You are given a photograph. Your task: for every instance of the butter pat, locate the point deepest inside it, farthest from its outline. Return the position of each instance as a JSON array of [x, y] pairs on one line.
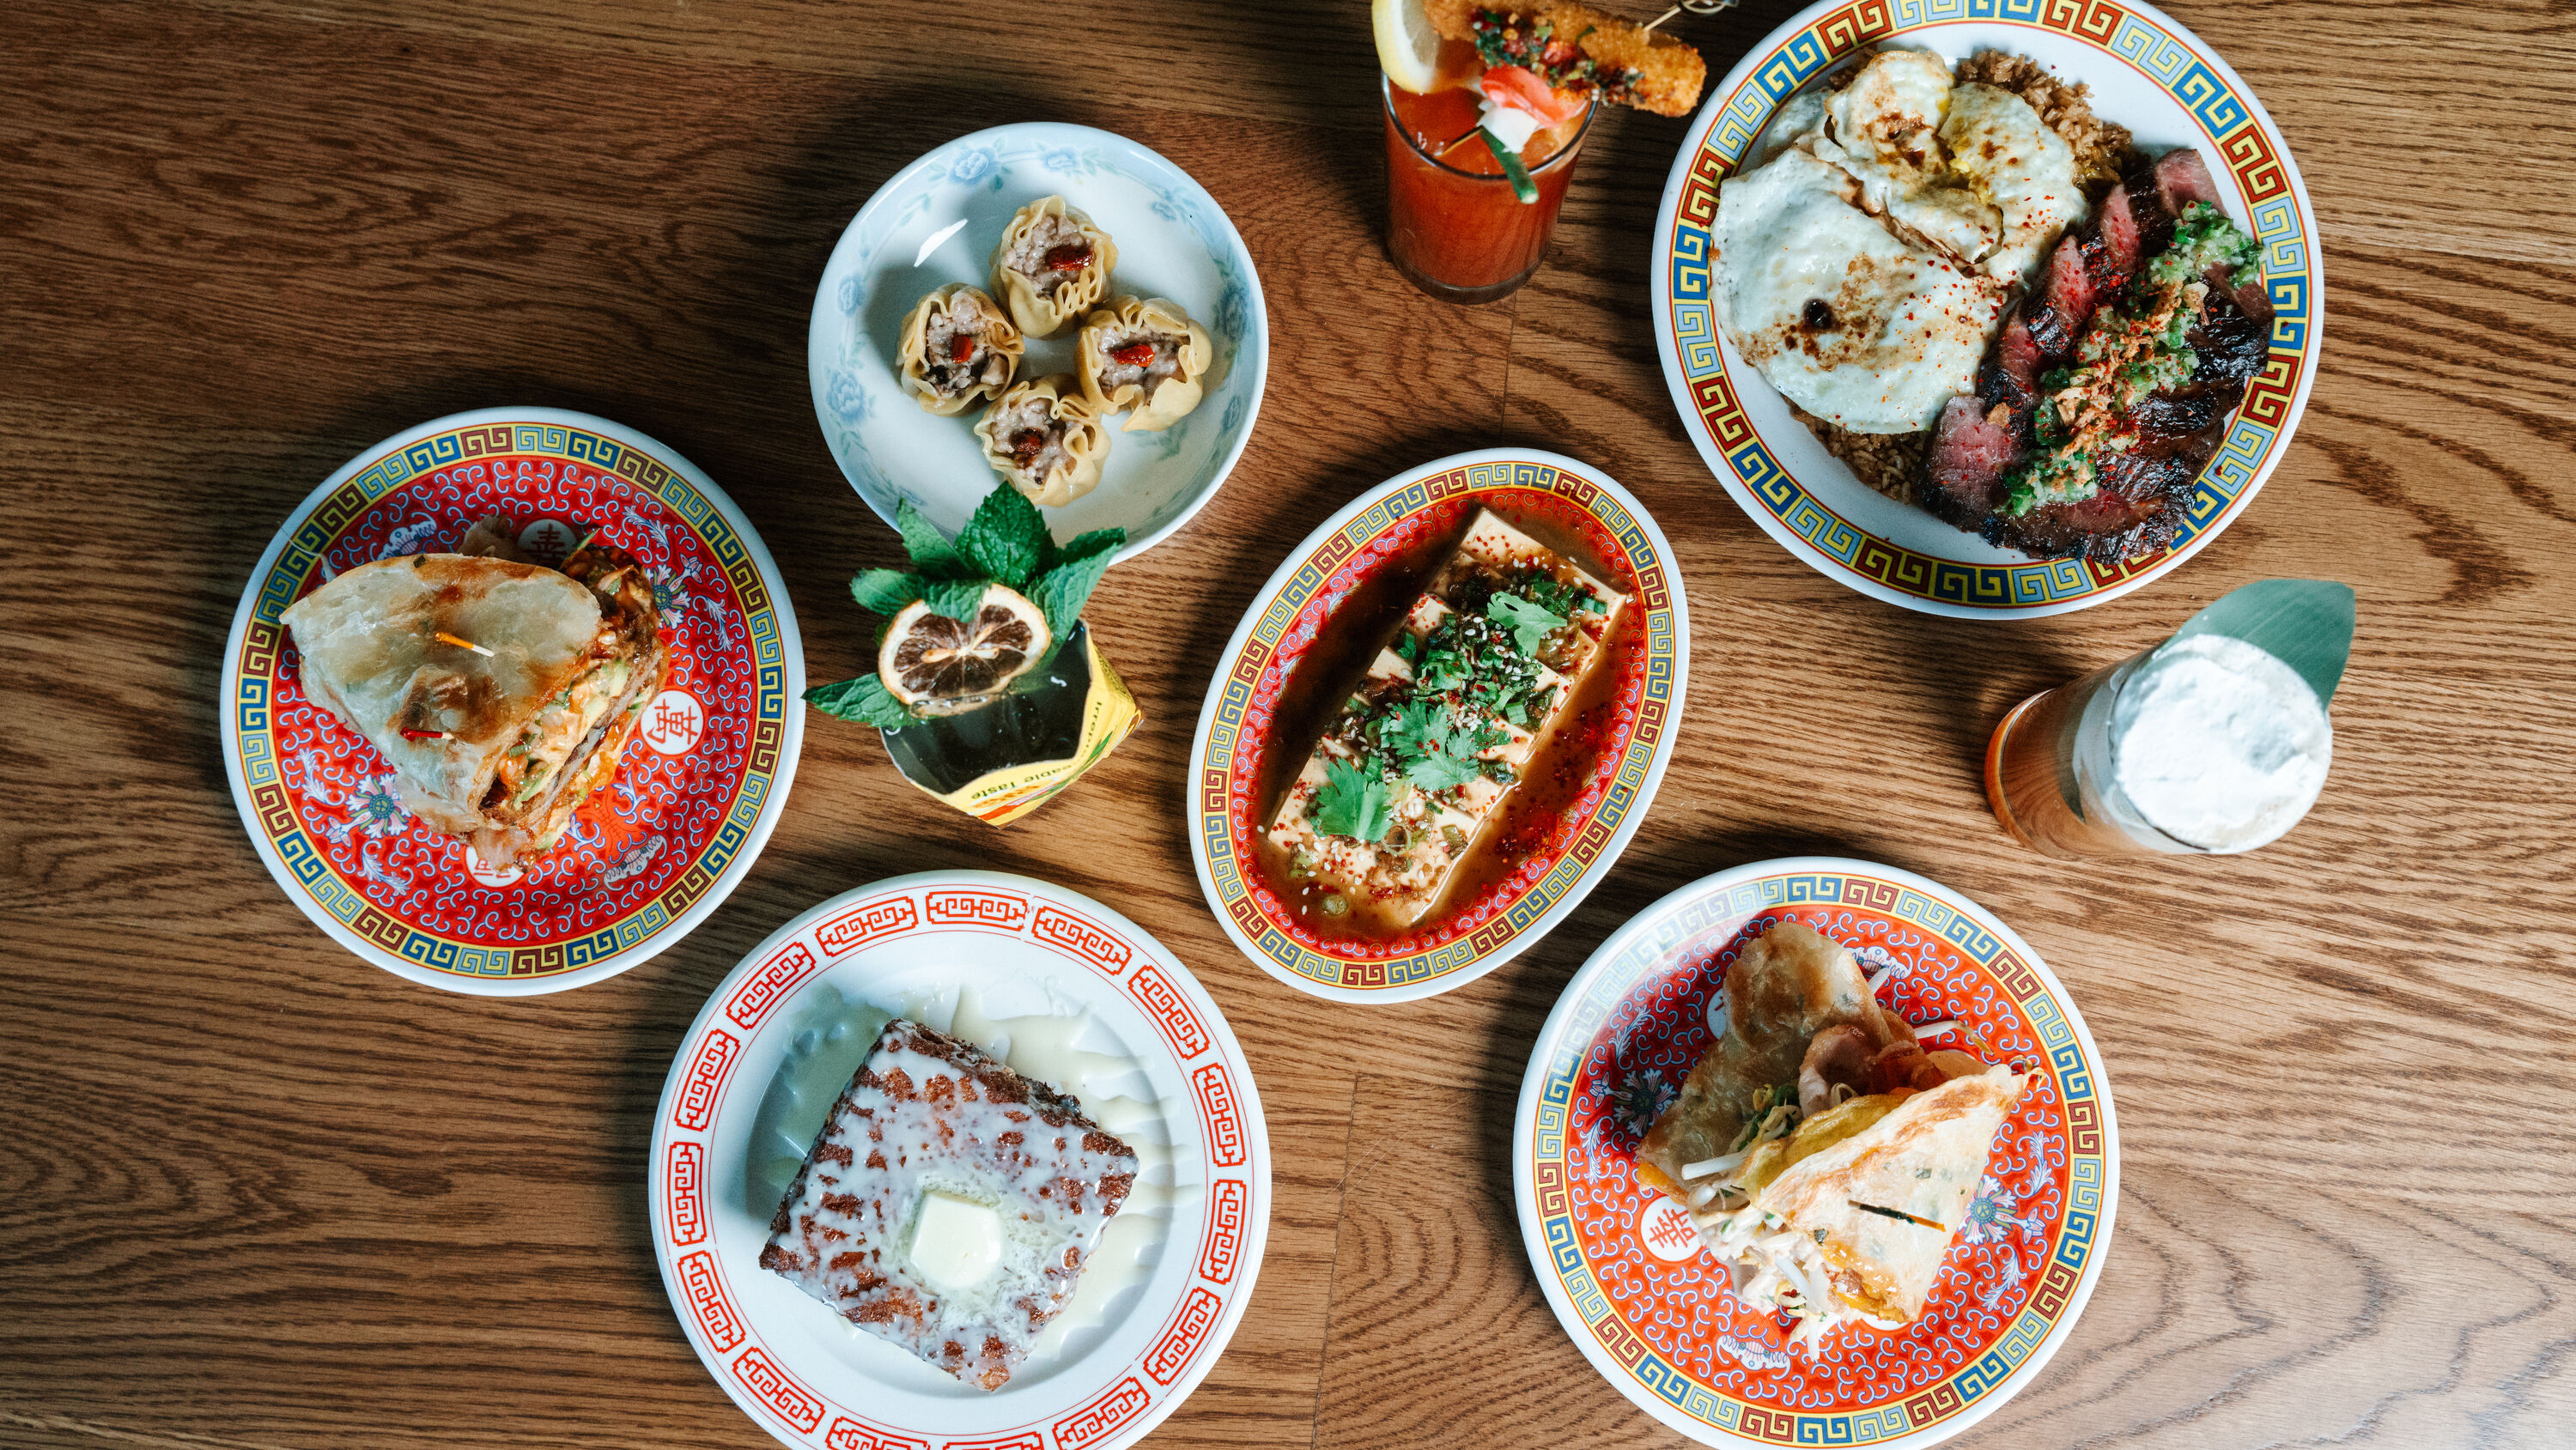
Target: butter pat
[[956, 1242]]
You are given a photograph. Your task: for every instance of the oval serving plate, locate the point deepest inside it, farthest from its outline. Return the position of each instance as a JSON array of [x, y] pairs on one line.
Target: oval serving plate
[[1621, 1264], [936, 222], [1371, 532], [2148, 74], [756, 1076], [697, 791]]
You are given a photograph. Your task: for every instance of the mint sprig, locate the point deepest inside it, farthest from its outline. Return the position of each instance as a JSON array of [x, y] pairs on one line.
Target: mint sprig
[[1005, 542], [865, 699]]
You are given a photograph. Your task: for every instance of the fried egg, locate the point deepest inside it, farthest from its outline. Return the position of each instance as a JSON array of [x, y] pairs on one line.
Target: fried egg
[[1848, 320], [1865, 265]]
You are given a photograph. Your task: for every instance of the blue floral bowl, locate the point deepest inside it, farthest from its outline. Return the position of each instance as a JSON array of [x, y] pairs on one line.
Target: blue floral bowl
[[935, 223]]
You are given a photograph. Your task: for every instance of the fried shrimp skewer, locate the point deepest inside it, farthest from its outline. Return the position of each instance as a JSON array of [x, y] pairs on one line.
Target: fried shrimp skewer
[[1576, 48]]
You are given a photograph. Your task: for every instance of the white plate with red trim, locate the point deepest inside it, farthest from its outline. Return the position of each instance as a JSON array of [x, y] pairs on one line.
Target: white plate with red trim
[[753, 1080]]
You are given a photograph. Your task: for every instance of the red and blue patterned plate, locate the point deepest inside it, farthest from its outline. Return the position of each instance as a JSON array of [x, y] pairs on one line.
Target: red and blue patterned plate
[[1622, 1266], [695, 796], [2149, 74]]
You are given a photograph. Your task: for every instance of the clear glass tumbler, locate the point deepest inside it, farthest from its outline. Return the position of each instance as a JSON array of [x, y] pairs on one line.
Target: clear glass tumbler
[[1455, 227]]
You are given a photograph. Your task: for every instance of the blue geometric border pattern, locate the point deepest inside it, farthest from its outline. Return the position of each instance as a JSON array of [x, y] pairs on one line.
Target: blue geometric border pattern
[[1235, 691], [2235, 139], [296, 562], [2074, 1078]]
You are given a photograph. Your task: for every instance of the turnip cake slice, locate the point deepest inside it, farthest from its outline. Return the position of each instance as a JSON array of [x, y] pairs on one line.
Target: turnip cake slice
[[949, 1204]]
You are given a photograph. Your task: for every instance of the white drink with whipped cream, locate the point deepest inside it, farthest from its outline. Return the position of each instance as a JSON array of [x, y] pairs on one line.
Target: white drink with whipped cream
[[2204, 745]]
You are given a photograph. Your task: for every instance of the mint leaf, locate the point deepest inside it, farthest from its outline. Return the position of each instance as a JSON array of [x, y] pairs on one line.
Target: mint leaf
[[1006, 538], [887, 591], [930, 550], [1064, 589], [1530, 625], [957, 598], [865, 699], [1352, 804], [1098, 541]]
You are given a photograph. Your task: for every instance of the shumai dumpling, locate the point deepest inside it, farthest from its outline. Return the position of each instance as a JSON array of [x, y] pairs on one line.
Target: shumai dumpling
[[1147, 357], [1052, 264], [1046, 439], [957, 346]]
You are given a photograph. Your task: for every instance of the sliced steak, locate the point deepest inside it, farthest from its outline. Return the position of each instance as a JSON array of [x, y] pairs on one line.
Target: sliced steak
[[2185, 410], [2182, 178], [2111, 247], [2068, 288], [1973, 447], [2106, 528], [2231, 345]]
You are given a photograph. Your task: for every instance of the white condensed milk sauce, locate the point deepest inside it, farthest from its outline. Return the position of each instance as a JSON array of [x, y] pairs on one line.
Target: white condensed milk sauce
[[961, 1242], [2219, 744]]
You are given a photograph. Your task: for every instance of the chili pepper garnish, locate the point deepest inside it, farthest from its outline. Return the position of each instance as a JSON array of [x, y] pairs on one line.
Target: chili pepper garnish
[[1134, 354], [409, 734], [1026, 445], [961, 347], [1071, 257], [445, 638]]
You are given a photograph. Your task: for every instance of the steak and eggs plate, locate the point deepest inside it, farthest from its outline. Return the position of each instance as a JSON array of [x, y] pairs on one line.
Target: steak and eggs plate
[[1988, 302]]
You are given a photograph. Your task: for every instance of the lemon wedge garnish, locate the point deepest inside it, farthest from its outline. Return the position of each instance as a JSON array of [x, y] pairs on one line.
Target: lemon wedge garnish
[[1408, 49]]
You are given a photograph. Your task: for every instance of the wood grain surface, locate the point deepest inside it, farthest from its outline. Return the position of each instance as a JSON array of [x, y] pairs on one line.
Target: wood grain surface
[[254, 1192]]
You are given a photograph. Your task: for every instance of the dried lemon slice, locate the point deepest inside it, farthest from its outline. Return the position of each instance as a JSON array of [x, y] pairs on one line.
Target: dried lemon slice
[[943, 666]]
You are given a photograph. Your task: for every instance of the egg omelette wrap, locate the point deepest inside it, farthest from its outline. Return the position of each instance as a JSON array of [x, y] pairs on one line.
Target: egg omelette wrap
[[500, 691]]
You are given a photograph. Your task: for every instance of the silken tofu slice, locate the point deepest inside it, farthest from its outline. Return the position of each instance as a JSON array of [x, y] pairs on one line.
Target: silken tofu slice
[[1397, 881]]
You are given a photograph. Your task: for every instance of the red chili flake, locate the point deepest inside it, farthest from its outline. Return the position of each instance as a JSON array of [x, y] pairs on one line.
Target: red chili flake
[[961, 347], [1026, 445], [1071, 257], [409, 734], [1135, 354]]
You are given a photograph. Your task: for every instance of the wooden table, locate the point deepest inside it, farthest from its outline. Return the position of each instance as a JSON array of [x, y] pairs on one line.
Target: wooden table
[[258, 1193]]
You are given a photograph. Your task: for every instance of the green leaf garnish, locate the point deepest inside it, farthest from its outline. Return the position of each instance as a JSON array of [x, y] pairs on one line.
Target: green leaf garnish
[[865, 699], [931, 552], [887, 591], [1098, 541], [1530, 624], [956, 598], [1522, 186], [1352, 804], [1064, 589], [1006, 539]]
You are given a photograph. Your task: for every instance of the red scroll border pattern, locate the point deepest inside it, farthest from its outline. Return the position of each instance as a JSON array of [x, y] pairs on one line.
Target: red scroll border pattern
[[698, 1275]]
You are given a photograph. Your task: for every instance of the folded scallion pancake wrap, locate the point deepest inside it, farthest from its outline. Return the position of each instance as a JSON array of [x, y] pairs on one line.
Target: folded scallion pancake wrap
[[1823, 1155], [500, 691]]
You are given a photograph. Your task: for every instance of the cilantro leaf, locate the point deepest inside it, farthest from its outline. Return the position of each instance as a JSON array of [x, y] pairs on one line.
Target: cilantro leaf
[[865, 699], [887, 591], [1006, 538], [1442, 770], [1530, 625], [956, 598], [1064, 589], [930, 550], [1352, 804]]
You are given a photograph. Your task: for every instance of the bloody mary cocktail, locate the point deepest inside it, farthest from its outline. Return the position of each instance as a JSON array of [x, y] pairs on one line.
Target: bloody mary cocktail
[[1456, 226]]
